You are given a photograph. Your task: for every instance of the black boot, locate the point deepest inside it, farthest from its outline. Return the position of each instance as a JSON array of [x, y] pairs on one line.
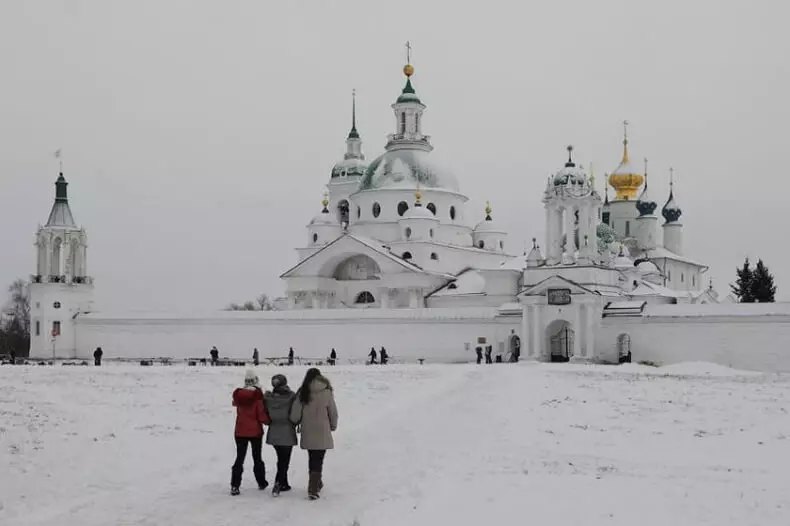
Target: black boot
[[260, 476], [235, 480]]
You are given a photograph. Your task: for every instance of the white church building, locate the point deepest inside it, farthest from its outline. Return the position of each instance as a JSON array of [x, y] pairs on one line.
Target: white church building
[[395, 258]]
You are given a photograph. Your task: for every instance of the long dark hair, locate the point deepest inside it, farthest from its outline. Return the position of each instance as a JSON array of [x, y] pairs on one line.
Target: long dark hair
[[304, 391]]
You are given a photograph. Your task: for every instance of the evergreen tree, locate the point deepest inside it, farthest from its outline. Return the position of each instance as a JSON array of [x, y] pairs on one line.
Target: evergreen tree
[[762, 287], [742, 288]]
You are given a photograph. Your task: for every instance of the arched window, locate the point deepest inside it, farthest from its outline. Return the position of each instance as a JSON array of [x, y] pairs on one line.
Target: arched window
[[452, 213], [481, 244], [693, 281], [403, 123], [315, 238], [365, 297], [342, 212], [501, 245], [628, 229], [434, 256], [406, 256], [432, 208], [408, 232], [359, 212], [430, 232], [402, 207], [54, 269], [682, 277], [376, 209]]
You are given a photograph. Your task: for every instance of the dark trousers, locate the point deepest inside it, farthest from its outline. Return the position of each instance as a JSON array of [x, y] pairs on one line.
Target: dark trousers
[[315, 460], [488, 358], [283, 462], [479, 358], [258, 467], [97, 362]]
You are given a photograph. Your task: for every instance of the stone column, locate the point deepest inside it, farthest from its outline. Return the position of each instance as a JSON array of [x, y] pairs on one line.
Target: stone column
[[315, 299], [526, 341], [384, 298], [549, 234], [570, 242]]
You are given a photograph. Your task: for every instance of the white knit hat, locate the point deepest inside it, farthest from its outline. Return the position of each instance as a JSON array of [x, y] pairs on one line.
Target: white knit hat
[[250, 379]]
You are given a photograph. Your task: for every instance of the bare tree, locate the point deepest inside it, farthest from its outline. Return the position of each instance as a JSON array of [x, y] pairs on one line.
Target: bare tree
[[261, 303], [15, 324]]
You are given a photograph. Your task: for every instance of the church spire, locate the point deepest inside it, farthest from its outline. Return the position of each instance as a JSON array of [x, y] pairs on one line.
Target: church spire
[[60, 215], [353, 134]]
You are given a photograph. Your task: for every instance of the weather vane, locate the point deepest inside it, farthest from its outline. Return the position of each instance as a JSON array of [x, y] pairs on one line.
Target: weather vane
[[408, 52]]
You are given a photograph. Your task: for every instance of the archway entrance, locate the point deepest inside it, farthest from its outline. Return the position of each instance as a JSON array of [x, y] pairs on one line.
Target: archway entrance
[[624, 348], [559, 341]]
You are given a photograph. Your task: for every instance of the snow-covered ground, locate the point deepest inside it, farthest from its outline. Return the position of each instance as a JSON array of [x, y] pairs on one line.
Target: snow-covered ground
[[418, 445]]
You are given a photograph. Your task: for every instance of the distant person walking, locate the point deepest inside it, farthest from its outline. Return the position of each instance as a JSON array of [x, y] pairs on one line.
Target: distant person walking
[[315, 412], [291, 356], [373, 356], [384, 356], [282, 432], [214, 352], [489, 350], [333, 357], [250, 418], [97, 354], [255, 356], [12, 356], [479, 351]]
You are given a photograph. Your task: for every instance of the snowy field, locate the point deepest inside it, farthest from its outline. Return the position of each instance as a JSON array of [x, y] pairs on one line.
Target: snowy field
[[418, 445]]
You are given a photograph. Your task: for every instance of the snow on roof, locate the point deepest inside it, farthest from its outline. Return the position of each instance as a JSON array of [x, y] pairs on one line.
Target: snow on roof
[[468, 282], [717, 309], [253, 317], [661, 252]]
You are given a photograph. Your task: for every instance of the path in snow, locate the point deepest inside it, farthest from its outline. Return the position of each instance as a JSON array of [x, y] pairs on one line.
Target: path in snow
[[417, 445]]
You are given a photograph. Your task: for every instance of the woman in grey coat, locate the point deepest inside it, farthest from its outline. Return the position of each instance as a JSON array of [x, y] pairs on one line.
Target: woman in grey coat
[[282, 433], [314, 410]]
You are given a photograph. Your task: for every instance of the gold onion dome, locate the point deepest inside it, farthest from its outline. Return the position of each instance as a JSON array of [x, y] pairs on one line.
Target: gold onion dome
[[625, 179]]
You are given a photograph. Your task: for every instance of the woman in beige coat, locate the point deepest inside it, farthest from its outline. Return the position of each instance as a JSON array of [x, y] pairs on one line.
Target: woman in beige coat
[[314, 410]]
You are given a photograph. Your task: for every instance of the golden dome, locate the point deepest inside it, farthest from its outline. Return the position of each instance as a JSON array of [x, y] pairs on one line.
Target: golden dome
[[625, 179], [408, 70]]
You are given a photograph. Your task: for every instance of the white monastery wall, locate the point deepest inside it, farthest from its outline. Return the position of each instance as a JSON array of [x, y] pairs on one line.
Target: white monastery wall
[[437, 335], [742, 342]]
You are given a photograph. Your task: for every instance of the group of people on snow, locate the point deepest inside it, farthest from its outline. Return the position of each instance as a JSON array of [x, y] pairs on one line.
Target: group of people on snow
[[310, 412], [384, 358]]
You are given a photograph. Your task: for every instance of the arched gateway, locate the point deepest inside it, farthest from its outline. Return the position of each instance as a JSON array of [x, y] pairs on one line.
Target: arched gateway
[[559, 341]]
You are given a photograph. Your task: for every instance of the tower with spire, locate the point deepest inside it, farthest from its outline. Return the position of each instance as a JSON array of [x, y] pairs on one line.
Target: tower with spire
[[672, 227], [347, 173], [646, 221], [572, 212], [626, 181], [61, 288], [408, 116]]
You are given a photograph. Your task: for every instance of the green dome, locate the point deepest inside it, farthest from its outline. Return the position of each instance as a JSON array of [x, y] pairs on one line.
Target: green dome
[[406, 169]]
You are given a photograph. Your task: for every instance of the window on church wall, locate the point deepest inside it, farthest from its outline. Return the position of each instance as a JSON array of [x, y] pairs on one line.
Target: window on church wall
[[38, 328], [682, 277], [403, 206], [430, 233], [408, 233], [481, 244], [359, 212], [501, 245], [693, 281], [315, 238], [403, 123], [364, 298], [432, 208], [452, 213], [416, 123], [627, 228], [56, 328], [434, 256], [376, 209], [406, 256], [343, 212]]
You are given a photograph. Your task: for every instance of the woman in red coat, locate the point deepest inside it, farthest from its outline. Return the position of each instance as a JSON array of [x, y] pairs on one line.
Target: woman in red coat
[[250, 417]]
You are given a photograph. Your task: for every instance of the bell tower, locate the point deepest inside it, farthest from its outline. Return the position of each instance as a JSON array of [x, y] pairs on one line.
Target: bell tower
[[60, 289]]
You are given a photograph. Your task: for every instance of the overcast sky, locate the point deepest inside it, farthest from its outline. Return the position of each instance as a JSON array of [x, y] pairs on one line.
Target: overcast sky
[[198, 135]]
